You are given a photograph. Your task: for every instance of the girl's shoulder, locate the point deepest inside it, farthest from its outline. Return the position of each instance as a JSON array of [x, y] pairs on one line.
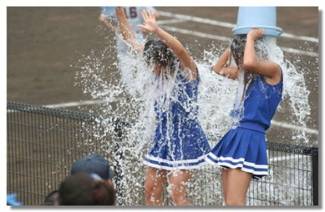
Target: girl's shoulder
[[184, 76], [276, 79], [272, 83]]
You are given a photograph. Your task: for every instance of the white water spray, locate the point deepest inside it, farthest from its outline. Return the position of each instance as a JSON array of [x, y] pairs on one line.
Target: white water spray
[[130, 90]]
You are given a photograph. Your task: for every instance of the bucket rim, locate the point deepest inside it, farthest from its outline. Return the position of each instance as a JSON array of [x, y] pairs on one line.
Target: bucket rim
[[277, 31]]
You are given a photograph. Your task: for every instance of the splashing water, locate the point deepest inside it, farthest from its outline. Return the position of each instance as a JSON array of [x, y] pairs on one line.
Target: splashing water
[[295, 91], [217, 94], [129, 88]]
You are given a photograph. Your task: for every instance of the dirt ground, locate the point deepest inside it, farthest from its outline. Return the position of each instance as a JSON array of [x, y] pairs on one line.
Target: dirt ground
[[45, 42]]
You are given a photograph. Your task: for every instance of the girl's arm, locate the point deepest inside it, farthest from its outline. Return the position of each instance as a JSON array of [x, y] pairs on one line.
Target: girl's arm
[[150, 25], [222, 68], [126, 30], [268, 69], [107, 22], [107, 18]]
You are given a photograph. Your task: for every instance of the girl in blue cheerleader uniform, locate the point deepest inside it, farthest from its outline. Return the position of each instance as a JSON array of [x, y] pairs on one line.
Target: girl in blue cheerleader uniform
[[179, 143], [242, 150]]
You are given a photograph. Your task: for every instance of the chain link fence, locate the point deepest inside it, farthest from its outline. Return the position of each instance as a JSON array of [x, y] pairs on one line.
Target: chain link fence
[[42, 144]]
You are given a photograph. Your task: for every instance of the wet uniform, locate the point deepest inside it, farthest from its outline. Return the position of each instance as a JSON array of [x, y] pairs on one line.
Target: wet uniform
[[179, 141], [244, 146]]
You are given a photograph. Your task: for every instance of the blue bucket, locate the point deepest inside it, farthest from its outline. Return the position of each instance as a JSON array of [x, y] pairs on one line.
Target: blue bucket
[[257, 17]]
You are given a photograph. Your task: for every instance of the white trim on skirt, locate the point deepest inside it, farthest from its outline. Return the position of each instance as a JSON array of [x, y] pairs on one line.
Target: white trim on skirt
[[241, 163], [174, 165]]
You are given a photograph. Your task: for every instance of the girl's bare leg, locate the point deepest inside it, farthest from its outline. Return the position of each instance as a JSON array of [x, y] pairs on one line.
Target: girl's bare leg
[[177, 180], [236, 184], [155, 181]]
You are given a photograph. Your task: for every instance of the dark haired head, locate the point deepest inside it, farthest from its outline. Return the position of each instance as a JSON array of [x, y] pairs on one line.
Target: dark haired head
[[76, 190], [157, 52], [237, 48], [84, 189]]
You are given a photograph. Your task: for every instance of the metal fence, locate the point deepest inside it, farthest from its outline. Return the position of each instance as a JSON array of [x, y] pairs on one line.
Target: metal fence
[[42, 144]]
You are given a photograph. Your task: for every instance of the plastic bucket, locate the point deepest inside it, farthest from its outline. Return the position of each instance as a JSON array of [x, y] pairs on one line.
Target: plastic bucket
[[257, 17]]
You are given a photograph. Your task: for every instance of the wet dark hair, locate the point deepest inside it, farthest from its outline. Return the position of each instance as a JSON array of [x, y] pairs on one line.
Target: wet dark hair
[[157, 52], [237, 47]]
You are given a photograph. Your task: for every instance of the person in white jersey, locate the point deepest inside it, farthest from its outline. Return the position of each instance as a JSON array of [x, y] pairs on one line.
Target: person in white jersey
[[109, 19]]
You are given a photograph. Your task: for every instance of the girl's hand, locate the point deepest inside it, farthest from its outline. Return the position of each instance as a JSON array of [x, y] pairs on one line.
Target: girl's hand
[[255, 33], [150, 24]]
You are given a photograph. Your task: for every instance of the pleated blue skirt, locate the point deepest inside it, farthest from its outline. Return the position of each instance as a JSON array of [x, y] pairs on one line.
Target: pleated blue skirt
[[184, 148], [241, 148]]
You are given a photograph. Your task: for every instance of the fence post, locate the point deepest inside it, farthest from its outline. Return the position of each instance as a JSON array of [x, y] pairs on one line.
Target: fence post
[[315, 175]]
